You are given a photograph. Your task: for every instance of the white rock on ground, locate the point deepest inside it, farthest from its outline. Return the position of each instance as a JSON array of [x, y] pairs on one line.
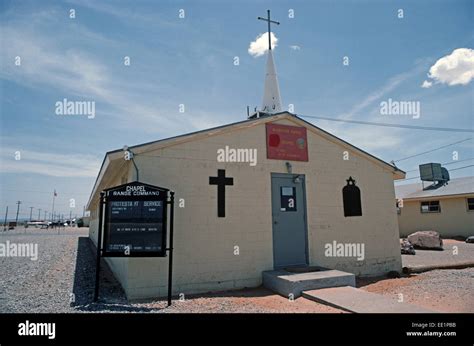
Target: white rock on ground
[[426, 240]]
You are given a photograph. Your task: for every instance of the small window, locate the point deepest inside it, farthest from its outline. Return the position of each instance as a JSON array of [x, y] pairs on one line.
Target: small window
[[430, 207], [287, 198], [470, 204]]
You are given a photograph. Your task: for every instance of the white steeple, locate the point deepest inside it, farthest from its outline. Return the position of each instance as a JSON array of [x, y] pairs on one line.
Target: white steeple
[[271, 93]]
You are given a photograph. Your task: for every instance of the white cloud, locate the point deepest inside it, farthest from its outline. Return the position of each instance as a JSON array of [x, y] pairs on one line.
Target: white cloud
[[456, 68], [427, 84], [71, 71], [46, 64], [295, 47], [363, 137], [131, 15], [260, 45], [389, 86], [51, 164]]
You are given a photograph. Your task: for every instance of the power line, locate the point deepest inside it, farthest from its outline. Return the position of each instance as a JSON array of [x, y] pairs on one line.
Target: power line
[[454, 169], [430, 151], [413, 127]]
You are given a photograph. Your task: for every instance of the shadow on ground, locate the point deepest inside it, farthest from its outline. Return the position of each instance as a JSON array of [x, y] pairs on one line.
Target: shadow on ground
[[365, 281], [246, 292], [112, 298]]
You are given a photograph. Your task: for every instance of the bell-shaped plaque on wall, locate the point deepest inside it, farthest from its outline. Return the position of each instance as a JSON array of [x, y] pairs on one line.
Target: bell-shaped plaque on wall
[[351, 199]]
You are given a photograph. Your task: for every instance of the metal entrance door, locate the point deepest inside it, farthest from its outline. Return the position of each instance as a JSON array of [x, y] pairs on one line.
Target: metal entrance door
[[289, 220]]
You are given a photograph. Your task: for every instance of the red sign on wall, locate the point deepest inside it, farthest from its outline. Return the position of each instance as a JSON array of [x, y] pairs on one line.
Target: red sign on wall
[[286, 142]]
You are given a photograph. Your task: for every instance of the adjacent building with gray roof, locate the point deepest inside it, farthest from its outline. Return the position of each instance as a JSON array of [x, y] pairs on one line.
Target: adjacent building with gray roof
[[447, 209]]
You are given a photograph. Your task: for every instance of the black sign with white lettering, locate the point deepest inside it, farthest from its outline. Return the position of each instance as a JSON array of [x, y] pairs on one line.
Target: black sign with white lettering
[[135, 221]]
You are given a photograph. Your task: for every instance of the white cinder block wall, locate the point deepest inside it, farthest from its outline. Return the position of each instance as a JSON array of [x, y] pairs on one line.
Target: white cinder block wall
[[204, 257], [454, 220]]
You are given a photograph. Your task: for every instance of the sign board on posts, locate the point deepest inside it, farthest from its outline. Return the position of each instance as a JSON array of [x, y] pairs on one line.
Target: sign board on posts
[[135, 221], [286, 142], [135, 225]]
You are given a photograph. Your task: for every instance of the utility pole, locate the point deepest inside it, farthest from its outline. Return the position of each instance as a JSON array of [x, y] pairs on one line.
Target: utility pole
[[17, 211], [45, 212], [84, 211], [5, 223], [31, 213], [54, 197], [39, 214]]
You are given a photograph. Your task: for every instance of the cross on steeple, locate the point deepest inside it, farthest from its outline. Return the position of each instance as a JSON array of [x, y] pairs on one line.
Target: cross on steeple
[[268, 20]]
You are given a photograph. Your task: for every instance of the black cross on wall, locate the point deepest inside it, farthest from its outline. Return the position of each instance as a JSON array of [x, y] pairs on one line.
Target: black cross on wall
[[221, 181]]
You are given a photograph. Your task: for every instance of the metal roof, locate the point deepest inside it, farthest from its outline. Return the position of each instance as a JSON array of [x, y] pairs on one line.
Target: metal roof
[[239, 123], [258, 120], [458, 186]]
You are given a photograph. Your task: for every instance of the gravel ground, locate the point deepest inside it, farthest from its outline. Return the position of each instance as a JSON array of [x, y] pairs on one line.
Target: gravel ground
[[438, 290], [62, 279], [59, 274], [254, 300], [465, 253], [44, 285]]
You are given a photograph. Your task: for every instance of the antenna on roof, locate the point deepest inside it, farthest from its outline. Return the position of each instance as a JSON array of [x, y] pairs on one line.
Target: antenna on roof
[[254, 115]]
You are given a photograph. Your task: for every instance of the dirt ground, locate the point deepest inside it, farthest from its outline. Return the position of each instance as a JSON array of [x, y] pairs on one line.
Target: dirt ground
[[251, 300], [66, 268], [437, 290]]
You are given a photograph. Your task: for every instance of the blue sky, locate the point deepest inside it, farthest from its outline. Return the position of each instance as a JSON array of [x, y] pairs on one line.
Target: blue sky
[[190, 61]]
